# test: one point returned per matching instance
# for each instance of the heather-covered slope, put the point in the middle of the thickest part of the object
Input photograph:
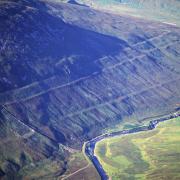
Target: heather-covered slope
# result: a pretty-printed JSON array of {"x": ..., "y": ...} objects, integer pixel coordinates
[
  {"x": 25, "y": 153},
  {"x": 73, "y": 74},
  {"x": 68, "y": 72}
]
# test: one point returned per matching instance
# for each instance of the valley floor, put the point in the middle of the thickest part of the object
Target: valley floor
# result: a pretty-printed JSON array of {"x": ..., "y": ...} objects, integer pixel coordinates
[{"x": 146, "y": 155}]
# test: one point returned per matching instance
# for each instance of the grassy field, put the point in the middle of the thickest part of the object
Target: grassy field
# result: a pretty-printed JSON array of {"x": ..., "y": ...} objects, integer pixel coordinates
[{"x": 147, "y": 155}]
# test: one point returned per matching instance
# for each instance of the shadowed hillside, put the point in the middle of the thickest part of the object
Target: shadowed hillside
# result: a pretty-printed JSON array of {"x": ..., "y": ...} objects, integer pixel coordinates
[{"x": 68, "y": 72}]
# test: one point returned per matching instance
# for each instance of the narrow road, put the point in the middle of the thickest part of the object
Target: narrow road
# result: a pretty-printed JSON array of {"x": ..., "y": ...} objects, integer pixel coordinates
[
  {"x": 66, "y": 177},
  {"x": 90, "y": 145}
]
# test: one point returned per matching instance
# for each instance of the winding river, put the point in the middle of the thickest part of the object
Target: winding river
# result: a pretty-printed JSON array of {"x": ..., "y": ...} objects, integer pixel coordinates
[{"x": 90, "y": 145}]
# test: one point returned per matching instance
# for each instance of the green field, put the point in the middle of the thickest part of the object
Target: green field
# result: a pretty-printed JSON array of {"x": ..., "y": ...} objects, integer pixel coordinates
[{"x": 146, "y": 155}]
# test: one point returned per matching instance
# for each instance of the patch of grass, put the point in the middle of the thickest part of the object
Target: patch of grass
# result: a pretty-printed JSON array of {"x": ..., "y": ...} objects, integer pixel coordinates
[{"x": 146, "y": 155}]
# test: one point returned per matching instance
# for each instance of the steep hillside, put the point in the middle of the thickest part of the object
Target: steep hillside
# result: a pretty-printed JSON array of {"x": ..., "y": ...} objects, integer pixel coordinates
[
  {"x": 68, "y": 72},
  {"x": 73, "y": 80},
  {"x": 25, "y": 153}
]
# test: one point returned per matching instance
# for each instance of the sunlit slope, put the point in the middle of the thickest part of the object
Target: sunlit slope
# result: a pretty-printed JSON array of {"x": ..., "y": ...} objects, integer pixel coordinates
[
  {"x": 147, "y": 155},
  {"x": 25, "y": 153},
  {"x": 161, "y": 10}
]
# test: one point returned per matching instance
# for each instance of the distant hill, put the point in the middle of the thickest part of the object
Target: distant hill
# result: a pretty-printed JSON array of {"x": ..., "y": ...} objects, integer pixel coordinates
[{"x": 161, "y": 10}]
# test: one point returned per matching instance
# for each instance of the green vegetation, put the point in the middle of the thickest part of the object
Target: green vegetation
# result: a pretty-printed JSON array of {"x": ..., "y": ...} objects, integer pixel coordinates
[{"x": 147, "y": 155}]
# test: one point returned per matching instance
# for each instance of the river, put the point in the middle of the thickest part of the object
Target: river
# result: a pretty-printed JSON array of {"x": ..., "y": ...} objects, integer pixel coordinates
[{"x": 90, "y": 145}]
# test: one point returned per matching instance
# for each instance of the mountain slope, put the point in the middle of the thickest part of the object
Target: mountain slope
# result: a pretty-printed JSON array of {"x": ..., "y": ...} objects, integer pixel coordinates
[
  {"x": 26, "y": 153},
  {"x": 75, "y": 80},
  {"x": 69, "y": 72}
]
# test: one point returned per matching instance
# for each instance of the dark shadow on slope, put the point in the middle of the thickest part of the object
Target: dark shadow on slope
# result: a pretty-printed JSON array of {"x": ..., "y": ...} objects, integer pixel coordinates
[{"x": 38, "y": 45}]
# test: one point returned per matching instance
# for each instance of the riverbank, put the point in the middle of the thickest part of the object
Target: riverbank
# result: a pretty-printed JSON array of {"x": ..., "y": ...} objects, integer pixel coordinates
[{"x": 90, "y": 145}]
